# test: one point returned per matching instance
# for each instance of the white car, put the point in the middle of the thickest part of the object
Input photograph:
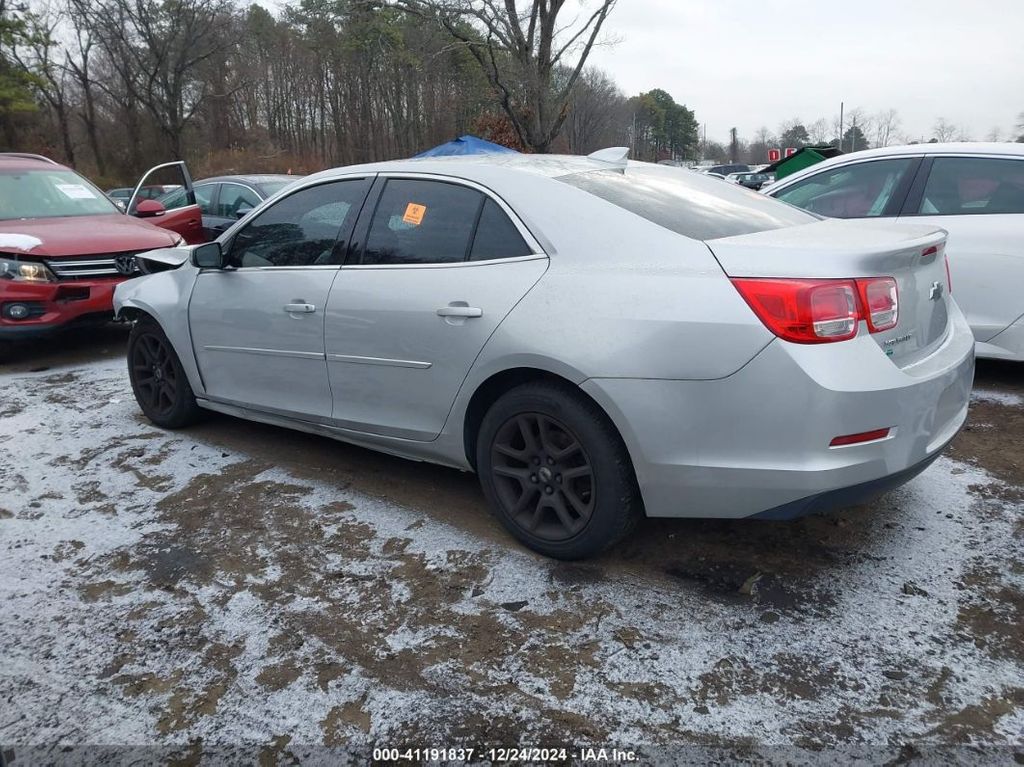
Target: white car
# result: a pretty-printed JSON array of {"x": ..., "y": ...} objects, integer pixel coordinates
[
  {"x": 973, "y": 191},
  {"x": 596, "y": 339}
]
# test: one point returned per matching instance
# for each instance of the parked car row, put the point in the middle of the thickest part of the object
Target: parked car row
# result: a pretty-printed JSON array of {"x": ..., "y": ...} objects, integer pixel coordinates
[{"x": 64, "y": 244}]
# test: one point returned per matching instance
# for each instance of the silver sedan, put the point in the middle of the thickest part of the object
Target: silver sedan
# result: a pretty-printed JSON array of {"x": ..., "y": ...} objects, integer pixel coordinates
[{"x": 597, "y": 339}]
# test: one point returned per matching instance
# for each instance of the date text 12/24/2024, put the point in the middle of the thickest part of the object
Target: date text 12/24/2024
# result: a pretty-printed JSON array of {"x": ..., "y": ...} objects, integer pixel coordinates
[{"x": 512, "y": 754}]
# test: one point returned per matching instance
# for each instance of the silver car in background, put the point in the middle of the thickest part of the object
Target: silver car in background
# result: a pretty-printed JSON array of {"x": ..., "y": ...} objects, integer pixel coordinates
[
  {"x": 597, "y": 339},
  {"x": 974, "y": 191}
]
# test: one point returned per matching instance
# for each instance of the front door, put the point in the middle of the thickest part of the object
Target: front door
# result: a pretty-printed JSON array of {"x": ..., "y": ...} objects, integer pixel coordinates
[
  {"x": 258, "y": 325},
  {"x": 442, "y": 266},
  {"x": 186, "y": 219}
]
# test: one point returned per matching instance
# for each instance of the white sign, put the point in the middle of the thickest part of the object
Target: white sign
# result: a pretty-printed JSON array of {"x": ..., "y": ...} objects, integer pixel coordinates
[{"x": 76, "y": 192}]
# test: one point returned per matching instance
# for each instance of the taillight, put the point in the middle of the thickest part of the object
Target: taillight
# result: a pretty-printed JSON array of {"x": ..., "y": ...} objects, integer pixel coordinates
[
  {"x": 804, "y": 311},
  {"x": 808, "y": 311},
  {"x": 881, "y": 300}
]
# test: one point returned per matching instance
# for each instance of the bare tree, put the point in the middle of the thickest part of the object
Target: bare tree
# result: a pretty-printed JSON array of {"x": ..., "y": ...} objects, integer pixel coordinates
[
  {"x": 597, "y": 113},
  {"x": 158, "y": 49},
  {"x": 887, "y": 126},
  {"x": 820, "y": 133},
  {"x": 78, "y": 60},
  {"x": 41, "y": 57},
  {"x": 757, "y": 150},
  {"x": 944, "y": 130},
  {"x": 521, "y": 51}
]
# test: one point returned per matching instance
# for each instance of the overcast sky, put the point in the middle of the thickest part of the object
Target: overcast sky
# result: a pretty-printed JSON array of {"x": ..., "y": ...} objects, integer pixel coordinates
[{"x": 748, "y": 63}]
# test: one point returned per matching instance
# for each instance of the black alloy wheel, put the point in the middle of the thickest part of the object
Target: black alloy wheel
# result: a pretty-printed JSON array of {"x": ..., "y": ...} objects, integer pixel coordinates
[
  {"x": 155, "y": 377},
  {"x": 158, "y": 379},
  {"x": 543, "y": 476},
  {"x": 556, "y": 471}
]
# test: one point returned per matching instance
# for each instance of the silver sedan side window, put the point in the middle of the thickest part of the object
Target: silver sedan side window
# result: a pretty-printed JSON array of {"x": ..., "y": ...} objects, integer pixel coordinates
[
  {"x": 418, "y": 221},
  {"x": 302, "y": 229}
]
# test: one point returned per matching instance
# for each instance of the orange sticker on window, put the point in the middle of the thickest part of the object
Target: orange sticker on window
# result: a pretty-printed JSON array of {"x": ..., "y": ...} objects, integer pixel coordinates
[{"x": 414, "y": 214}]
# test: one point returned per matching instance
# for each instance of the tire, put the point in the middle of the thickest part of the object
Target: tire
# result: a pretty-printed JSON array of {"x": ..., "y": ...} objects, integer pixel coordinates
[
  {"x": 568, "y": 490},
  {"x": 158, "y": 380}
]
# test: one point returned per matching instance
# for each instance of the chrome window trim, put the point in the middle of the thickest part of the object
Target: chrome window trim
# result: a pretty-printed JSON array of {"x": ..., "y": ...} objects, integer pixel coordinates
[
  {"x": 451, "y": 264},
  {"x": 309, "y": 267},
  {"x": 244, "y": 186}
]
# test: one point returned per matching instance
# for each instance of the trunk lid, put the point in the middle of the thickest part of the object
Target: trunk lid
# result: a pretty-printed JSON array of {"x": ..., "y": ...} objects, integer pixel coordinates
[{"x": 841, "y": 249}]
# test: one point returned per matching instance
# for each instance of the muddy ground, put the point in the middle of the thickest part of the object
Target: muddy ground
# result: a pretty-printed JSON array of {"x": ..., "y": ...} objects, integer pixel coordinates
[{"x": 241, "y": 584}]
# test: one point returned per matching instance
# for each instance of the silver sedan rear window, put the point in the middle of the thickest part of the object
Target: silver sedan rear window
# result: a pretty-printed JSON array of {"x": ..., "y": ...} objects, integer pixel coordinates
[{"x": 688, "y": 203}]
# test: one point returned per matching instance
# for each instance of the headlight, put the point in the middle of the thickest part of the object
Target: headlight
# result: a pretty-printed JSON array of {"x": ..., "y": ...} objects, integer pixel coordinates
[{"x": 24, "y": 271}]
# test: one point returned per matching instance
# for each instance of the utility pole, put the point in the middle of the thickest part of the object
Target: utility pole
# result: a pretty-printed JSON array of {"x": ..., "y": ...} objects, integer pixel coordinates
[{"x": 840, "y": 126}]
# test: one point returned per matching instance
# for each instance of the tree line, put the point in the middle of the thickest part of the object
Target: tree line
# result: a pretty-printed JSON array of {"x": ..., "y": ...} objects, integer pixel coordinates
[
  {"x": 114, "y": 86},
  {"x": 853, "y": 131}
]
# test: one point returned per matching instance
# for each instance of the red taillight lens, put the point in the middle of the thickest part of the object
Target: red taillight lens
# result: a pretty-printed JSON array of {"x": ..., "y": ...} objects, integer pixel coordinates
[
  {"x": 881, "y": 299},
  {"x": 804, "y": 311},
  {"x": 807, "y": 311}
]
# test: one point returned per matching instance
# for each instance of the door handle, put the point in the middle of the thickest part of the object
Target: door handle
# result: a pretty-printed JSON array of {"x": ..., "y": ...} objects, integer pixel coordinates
[
  {"x": 460, "y": 311},
  {"x": 299, "y": 308}
]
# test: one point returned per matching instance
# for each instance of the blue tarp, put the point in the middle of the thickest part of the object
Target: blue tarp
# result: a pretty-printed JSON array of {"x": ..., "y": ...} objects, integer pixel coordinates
[{"x": 466, "y": 145}]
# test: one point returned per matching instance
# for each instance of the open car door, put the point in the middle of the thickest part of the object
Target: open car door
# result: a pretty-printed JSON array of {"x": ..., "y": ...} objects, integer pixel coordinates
[{"x": 165, "y": 197}]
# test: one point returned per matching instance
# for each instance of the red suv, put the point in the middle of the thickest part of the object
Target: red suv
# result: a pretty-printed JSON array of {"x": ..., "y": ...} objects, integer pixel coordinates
[{"x": 64, "y": 245}]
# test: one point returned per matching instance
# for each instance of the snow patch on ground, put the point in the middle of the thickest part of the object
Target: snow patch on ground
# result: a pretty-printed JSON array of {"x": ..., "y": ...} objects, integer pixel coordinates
[{"x": 159, "y": 590}]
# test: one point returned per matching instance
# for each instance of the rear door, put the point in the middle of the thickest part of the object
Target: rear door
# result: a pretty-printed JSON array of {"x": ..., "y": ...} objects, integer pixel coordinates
[
  {"x": 980, "y": 202},
  {"x": 258, "y": 325},
  {"x": 435, "y": 266},
  {"x": 185, "y": 220}
]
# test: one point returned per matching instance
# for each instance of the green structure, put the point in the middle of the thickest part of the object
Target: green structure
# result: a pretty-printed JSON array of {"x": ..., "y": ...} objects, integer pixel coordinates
[{"x": 804, "y": 157}]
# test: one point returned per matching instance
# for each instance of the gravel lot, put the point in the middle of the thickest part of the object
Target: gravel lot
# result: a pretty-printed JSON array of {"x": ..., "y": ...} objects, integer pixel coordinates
[{"x": 241, "y": 584}]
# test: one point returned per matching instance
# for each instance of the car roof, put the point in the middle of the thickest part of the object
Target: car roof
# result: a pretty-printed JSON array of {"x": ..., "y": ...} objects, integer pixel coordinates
[
  {"x": 251, "y": 178},
  {"x": 960, "y": 147},
  {"x": 23, "y": 161},
  {"x": 481, "y": 166},
  {"x": 907, "y": 150}
]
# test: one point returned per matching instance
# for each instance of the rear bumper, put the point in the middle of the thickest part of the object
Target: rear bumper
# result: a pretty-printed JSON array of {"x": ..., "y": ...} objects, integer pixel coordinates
[
  {"x": 757, "y": 442},
  {"x": 55, "y": 305},
  {"x": 845, "y": 497}
]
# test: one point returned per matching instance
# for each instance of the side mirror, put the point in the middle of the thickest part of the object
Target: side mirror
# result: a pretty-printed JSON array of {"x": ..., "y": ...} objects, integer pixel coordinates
[
  {"x": 208, "y": 256},
  {"x": 149, "y": 208}
]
